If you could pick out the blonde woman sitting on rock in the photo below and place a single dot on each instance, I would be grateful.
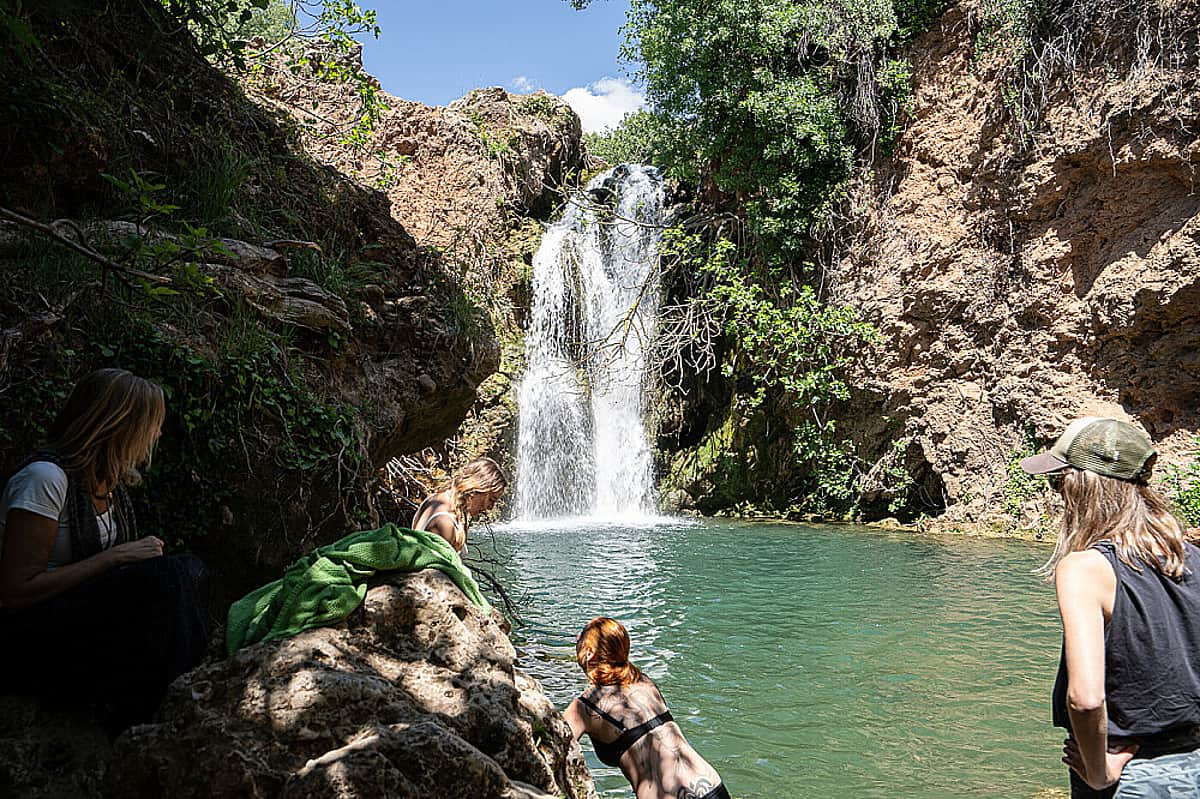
(92, 609)
(474, 489)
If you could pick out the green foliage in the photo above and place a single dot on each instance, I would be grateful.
(223, 27)
(339, 276)
(541, 105)
(794, 340)
(17, 38)
(390, 167)
(498, 143)
(770, 100)
(1183, 487)
(218, 182)
(914, 17)
(790, 344)
(830, 465)
(1007, 28)
(275, 21)
(894, 79)
(180, 254)
(637, 139)
(894, 478)
(231, 413)
(1020, 487)
(145, 195)
(224, 30)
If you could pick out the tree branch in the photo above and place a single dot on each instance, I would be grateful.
(123, 272)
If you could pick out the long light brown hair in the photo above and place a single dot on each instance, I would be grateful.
(109, 427)
(607, 642)
(1131, 514)
(480, 476)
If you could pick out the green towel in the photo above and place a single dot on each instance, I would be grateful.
(326, 585)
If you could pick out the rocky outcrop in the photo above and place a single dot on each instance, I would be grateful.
(50, 750)
(457, 176)
(1019, 284)
(415, 695)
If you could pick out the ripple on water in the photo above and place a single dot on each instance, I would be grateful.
(809, 661)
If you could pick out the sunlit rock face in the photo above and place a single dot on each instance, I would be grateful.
(414, 696)
(1020, 284)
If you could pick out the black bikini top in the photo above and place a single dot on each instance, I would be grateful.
(610, 753)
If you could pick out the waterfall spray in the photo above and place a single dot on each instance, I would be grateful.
(582, 448)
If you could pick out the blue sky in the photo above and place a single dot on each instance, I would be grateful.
(436, 51)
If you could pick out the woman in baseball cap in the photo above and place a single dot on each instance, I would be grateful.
(1128, 586)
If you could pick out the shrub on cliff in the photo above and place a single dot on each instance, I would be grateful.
(1183, 486)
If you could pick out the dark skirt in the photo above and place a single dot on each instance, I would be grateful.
(117, 640)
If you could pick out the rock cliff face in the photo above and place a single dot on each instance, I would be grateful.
(1017, 287)
(470, 181)
(457, 176)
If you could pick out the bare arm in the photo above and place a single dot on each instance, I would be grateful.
(445, 527)
(1085, 584)
(574, 716)
(28, 541)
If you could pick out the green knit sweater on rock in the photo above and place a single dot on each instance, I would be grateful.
(325, 586)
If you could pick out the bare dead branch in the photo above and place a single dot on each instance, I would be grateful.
(122, 272)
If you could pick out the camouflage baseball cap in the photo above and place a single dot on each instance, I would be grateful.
(1105, 446)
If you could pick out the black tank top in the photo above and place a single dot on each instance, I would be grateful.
(1151, 650)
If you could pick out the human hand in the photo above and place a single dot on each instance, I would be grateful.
(133, 551)
(1114, 764)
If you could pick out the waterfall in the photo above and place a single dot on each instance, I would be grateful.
(582, 448)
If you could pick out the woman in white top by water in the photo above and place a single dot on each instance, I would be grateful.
(474, 489)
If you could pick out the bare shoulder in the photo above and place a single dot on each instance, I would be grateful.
(1086, 568)
(434, 503)
(646, 696)
(1086, 562)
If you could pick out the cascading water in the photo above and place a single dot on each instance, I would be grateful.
(581, 446)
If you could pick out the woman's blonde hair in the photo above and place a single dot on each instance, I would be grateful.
(1131, 514)
(480, 476)
(608, 642)
(109, 427)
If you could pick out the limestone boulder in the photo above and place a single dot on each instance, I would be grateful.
(415, 695)
(50, 750)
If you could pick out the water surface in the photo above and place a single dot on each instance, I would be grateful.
(809, 661)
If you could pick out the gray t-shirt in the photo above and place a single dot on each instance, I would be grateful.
(41, 488)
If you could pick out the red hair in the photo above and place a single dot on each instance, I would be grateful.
(609, 645)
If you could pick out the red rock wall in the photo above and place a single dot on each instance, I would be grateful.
(1019, 287)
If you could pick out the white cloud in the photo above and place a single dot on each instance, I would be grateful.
(521, 84)
(602, 104)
